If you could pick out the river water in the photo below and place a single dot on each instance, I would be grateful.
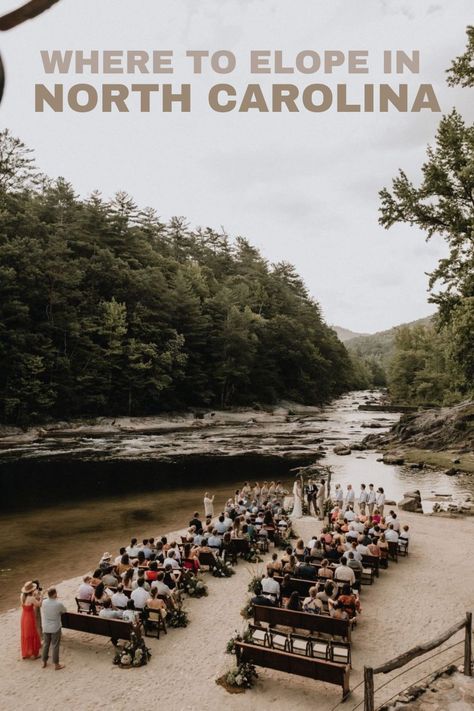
(66, 539)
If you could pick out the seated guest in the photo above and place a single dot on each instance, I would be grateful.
(164, 544)
(170, 560)
(317, 552)
(124, 564)
(270, 587)
(146, 549)
(329, 593)
(155, 603)
(109, 578)
(286, 588)
(141, 577)
(391, 535)
(152, 572)
(130, 614)
(127, 578)
(405, 533)
(175, 548)
(86, 591)
(119, 557)
(350, 602)
(140, 595)
(190, 562)
(119, 599)
(159, 555)
(275, 564)
(105, 561)
(300, 547)
(100, 595)
(132, 549)
(325, 571)
(311, 603)
(337, 611)
(290, 567)
(287, 555)
(373, 548)
(214, 540)
(344, 574)
(305, 570)
(96, 577)
(221, 526)
(260, 598)
(141, 560)
(294, 602)
(171, 577)
(108, 612)
(354, 564)
(196, 522)
(332, 553)
(160, 586)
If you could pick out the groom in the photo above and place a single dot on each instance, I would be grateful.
(311, 495)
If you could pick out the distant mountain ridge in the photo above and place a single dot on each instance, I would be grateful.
(345, 334)
(380, 345)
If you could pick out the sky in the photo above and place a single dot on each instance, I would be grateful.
(303, 187)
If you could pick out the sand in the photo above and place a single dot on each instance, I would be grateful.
(411, 602)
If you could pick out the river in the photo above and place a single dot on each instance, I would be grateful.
(66, 537)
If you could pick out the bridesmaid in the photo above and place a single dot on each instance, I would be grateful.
(30, 639)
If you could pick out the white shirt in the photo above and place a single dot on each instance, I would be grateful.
(344, 573)
(311, 543)
(85, 591)
(161, 587)
(371, 495)
(132, 552)
(349, 515)
(271, 587)
(357, 555)
(363, 496)
(350, 496)
(119, 599)
(391, 535)
(139, 597)
(380, 499)
(338, 495)
(171, 561)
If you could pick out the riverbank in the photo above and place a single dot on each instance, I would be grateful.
(411, 602)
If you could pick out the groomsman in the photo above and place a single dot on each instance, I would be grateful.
(371, 499)
(363, 499)
(338, 496)
(350, 496)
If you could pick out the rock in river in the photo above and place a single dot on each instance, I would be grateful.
(341, 450)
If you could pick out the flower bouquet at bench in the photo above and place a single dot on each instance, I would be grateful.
(134, 653)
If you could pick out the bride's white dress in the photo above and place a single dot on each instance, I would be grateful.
(298, 502)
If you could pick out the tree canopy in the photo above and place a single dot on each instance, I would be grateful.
(105, 309)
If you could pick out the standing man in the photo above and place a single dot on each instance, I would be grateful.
(363, 499)
(350, 496)
(338, 497)
(321, 499)
(371, 499)
(51, 612)
(310, 496)
(208, 505)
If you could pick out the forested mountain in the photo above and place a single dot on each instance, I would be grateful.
(345, 334)
(106, 309)
(381, 345)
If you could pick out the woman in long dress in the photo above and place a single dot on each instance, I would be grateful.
(30, 639)
(208, 505)
(297, 499)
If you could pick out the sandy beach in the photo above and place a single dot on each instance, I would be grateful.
(412, 601)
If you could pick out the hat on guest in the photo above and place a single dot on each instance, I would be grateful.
(29, 587)
(106, 556)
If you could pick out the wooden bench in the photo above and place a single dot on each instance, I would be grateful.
(208, 560)
(318, 669)
(301, 585)
(115, 629)
(371, 561)
(393, 550)
(322, 624)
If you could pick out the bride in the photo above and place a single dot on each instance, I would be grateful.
(298, 499)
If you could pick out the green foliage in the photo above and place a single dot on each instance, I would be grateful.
(106, 310)
(443, 204)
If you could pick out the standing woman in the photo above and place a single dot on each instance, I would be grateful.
(257, 492)
(30, 639)
(297, 499)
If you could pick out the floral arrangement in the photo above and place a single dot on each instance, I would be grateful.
(243, 676)
(252, 555)
(177, 618)
(255, 584)
(247, 610)
(245, 637)
(194, 585)
(134, 653)
(222, 569)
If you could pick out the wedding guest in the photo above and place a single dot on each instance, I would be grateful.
(30, 639)
(51, 612)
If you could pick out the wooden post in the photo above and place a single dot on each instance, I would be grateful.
(368, 689)
(468, 645)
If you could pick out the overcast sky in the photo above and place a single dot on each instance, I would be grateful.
(304, 186)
